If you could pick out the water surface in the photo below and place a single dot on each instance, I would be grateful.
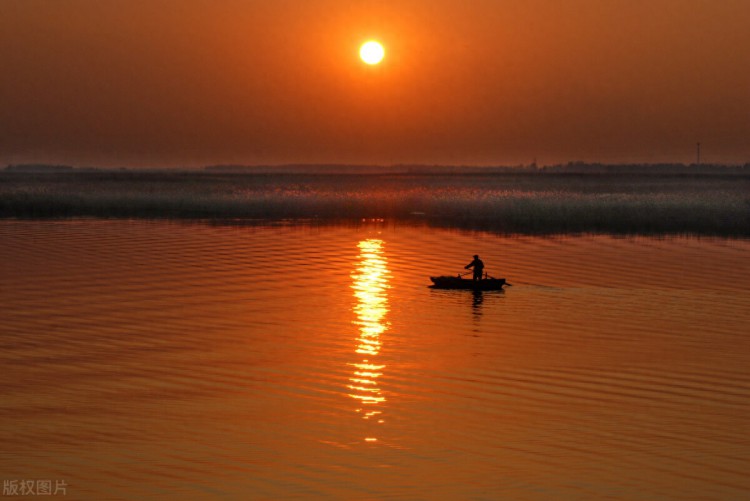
(193, 361)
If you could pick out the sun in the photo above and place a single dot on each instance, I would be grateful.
(372, 52)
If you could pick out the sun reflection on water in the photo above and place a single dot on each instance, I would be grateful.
(370, 284)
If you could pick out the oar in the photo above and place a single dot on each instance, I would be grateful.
(493, 278)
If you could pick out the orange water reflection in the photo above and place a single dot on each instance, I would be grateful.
(370, 285)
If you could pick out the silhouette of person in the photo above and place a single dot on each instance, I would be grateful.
(478, 266)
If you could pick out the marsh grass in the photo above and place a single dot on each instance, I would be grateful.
(512, 203)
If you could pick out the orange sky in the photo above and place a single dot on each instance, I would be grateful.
(194, 82)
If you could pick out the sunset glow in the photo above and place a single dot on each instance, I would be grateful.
(235, 238)
(150, 84)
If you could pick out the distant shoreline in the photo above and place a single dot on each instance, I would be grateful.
(570, 167)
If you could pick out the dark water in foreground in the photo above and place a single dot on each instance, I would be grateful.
(184, 361)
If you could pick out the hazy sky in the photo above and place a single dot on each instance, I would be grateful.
(193, 82)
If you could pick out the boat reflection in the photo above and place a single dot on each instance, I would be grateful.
(478, 299)
(476, 304)
(370, 284)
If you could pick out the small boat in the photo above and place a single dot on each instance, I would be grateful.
(486, 284)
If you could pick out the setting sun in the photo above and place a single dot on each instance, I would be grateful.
(371, 52)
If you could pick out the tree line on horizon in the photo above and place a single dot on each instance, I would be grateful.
(578, 167)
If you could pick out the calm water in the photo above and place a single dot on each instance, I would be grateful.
(187, 361)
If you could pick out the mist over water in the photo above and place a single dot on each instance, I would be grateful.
(146, 359)
(713, 202)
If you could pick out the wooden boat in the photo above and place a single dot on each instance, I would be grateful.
(486, 284)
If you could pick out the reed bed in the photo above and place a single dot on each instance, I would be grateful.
(511, 203)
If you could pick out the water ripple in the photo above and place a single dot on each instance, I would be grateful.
(184, 360)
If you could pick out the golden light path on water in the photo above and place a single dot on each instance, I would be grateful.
(370, 285)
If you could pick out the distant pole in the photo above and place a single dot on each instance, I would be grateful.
(698, 155)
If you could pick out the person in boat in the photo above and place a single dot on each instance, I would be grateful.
(478, 266)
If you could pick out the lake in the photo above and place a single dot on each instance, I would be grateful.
(189, 360)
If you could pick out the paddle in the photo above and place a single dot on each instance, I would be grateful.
(493, 278)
